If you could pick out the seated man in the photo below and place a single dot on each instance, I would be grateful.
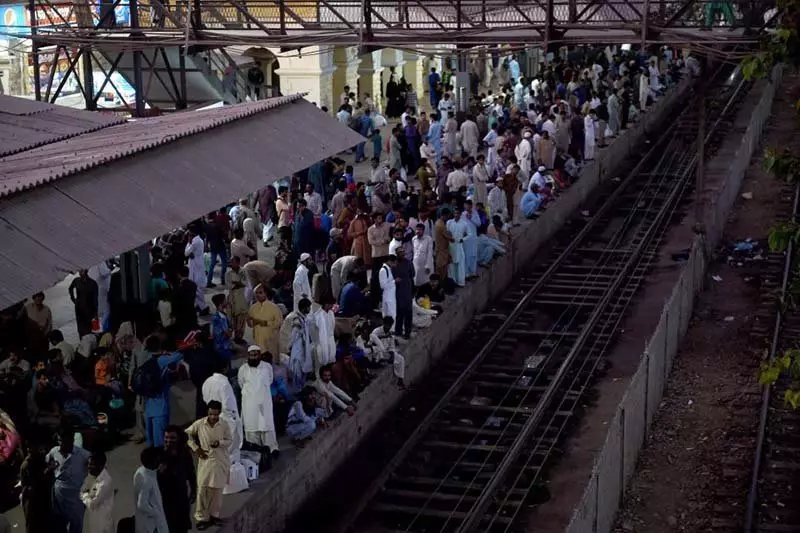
(385, 348)
(488, 247)
(531, 202)
(330, 396)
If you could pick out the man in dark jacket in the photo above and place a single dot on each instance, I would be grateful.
(403, 273)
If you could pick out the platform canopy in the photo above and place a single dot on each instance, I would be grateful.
(72, 203)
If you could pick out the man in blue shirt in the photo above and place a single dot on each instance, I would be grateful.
(352, 301)
(433, 81)
(156, 408)
(365, 127)
(531, 201)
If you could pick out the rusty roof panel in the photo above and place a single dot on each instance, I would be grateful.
(13, 105)
(86, 217)
(27, 124)
(33, 168)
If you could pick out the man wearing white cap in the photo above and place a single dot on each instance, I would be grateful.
(255, 379)
(301, 287)
(538, 178)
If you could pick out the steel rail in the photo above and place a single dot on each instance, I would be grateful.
(476, 513)
(606, 257)
(752, 495)
(425, 424)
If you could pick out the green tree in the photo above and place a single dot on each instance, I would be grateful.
(782, 46)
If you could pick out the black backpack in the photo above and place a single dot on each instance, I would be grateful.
(147, 380)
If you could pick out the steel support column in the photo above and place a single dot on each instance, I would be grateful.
(138, 83)
(37, 88)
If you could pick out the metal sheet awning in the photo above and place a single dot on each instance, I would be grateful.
(144, 179)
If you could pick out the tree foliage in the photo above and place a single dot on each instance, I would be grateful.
(782, 46)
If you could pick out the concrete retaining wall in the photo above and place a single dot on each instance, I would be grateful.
(616, 462)
(274, 498)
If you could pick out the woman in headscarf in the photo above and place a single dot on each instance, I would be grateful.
(358, 233)
(393, 105)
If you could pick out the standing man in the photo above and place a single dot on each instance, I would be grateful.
(209, 440)
(403, 272)
(149, 516)
(480, 176)
(99, 497)
(301, 286)
(433, 83)
(442, 239)
(69, 464)
(217, 239)
(388, 286)
(197, 266)
(151, 381)
(423, 256)
(235, 283)
(176, 481)
(470, 136)
(218, 388)
(83, 293)
(255, 379)
(472, 222)
(458, 230)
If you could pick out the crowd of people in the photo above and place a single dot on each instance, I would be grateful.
(317, 282)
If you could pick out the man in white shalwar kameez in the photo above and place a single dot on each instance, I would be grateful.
(255, 379)
(423, 256)
(472, 220)
(197, 267)
(644, 90)
(480, 176)
(218, 388)
(498, 203)
(524, 151)
(589, 125)
(99, 497)
(458, 229)
(149, 516)
(389, 287)
(384, 347)
(470, 137)
(451, 136)
(323, 324)
(301, 287)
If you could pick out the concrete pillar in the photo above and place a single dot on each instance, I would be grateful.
(369, 71)
(346, 60)
(309, 72)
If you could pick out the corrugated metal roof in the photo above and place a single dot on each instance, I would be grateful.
(26, 124)
(167, 179)
(33, 168)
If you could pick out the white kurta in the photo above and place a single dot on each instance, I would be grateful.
(324, 343)
(102, 275)
(197, 268)
(99, 502)
(217, 387)
(523, 152)
(389, 298)
(149, 516)
(257, 401)
(480, 176)
(470, 138)
(423, 259)
(644, 91)
(589, 138)
(301, 287)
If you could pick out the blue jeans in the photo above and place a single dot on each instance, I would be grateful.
(223, 257)
(360, 151)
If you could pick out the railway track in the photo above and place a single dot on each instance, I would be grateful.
(519, 377)
(773, 504)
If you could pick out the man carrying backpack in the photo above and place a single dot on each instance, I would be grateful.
(151, 381)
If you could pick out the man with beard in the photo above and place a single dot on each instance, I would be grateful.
(255, 379)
